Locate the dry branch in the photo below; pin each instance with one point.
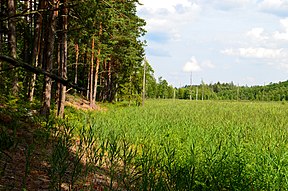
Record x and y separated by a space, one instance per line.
32 69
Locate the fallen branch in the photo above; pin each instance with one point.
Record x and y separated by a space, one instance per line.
7 69
35 70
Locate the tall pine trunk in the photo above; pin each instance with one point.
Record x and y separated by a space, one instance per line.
97 65
59 53
63 66
103 80
27 41
49 58
26 33
109 81
12 44
1 41
87 68
76 62
36 49
91 73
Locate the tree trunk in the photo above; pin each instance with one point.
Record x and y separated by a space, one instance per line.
103 81
63 62
109 81
36 50
91 73
87 69
43 37
49 59
76 62
97 66
12 42
59 53
1 41
26 33
27 41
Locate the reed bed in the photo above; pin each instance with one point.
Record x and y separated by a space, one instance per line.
188 145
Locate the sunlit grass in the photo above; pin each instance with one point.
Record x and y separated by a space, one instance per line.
192 145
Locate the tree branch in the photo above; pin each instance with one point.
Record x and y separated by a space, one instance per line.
35 70
7 69
26 12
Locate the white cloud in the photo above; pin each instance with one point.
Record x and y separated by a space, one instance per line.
282 35
257 34
284 23
175 35
273 4
262 53
158 13
168 16
156 23
276 7
228 5
168 5
208 64
284 66
235 3
192 66
249 80
250 28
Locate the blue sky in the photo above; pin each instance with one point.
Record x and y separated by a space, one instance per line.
244 41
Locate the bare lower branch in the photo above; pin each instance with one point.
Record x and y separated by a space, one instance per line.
35 70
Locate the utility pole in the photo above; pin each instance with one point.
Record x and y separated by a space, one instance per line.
144 82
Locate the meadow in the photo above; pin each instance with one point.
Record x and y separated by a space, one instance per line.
188 145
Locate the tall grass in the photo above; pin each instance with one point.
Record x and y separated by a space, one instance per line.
188 145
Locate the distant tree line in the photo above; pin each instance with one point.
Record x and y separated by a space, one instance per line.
222 91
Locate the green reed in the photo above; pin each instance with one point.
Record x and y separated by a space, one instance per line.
190 145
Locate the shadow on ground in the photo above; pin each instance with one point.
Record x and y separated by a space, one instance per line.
34 158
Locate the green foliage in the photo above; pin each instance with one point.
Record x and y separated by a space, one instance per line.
229 91
158 89
167 145
184 145
116 29
119 50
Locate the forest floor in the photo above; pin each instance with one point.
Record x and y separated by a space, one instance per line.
82 104
25 150
22 166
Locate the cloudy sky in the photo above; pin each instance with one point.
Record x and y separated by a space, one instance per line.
244 41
